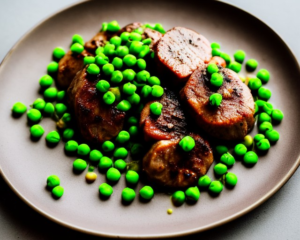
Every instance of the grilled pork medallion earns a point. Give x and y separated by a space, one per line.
234 118
180 51
96 120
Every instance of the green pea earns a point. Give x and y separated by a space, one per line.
122 51
216 52
101 59
79 165
264 93
60 96
235 66
263 75
58 191
60 109
146 192
134 36
125 36
105 190
77 39
143 76
221 149
103 86
260 104
77 48
187 143
215 45
93 69
129 60
268 108
263 117
272 135
116 92
108 146
71 146
139 85
154 81
158 27
95 155
133 131
123 137
83 149
53 181
215 187
116 76
192 194
256 108
132 177
239 56
227 159
113 174
34 115
53 137
254 84
66 117
134 99
50 93
113 26
277 115
156 108
36 131
251 65
212 68
226 57
204 181
116 40
68 133
117 62
109 49
88 60
220 169
124 105
240 149
129 88
178 198
109 98
141 63
265 126
108 69
104 27
99 50
146 91
105 163
120 164
121 153
132 120
145 50
216 80
215 99
263 145
129 74
128 194
147 41
231 179
49 109
248 141
135 47
52 67
58 53
46 81
19 108
258 137
157 91
250 158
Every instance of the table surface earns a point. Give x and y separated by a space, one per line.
278 218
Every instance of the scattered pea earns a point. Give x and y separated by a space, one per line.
272 135
268 108
254 84
263 117
60 109
263 145
108 146
239 56
212 68
231 179
156 108
178 198
109 49
146 91
187 143
154 81
113 174
135 47
88 60
192 194
129 88
264 93
215 187
19 108
71 146
204 181
58 53
101 59
260 104
265 126
105 163
221 149
108 68
90 176
158 27
142 76
129 74
79 165
116 40
124 105
250 158
123 137
215 99
83 149
240 149
93 69
103 86
34 115
68 133
251 65
105 190
141 63
120 164
235 66
147 192
216 52
95 155
77 39
134 99
49 109
263 75
121 153
128 194
53 181
248 141
58 191
99 50
226 57
132 177
145 50
277 115
50 93
216 80
122 51
220 169
46 81
116 76
129 60
60 96
52 67
258 137
227 159
77 48
36 131
109 98
157 91
113 26
104 27
132 120
215 45
53 137
147 41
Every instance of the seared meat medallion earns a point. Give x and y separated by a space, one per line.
96 120
180 51
167 165
234 118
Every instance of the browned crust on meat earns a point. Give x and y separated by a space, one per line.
171 124
234 118
180 51
167 165
96 120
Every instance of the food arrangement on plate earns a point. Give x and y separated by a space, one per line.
159 106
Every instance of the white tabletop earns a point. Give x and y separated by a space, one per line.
278 218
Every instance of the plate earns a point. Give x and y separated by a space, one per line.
25 165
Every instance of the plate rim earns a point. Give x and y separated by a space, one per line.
269 194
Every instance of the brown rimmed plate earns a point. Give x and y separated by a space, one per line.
25 165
